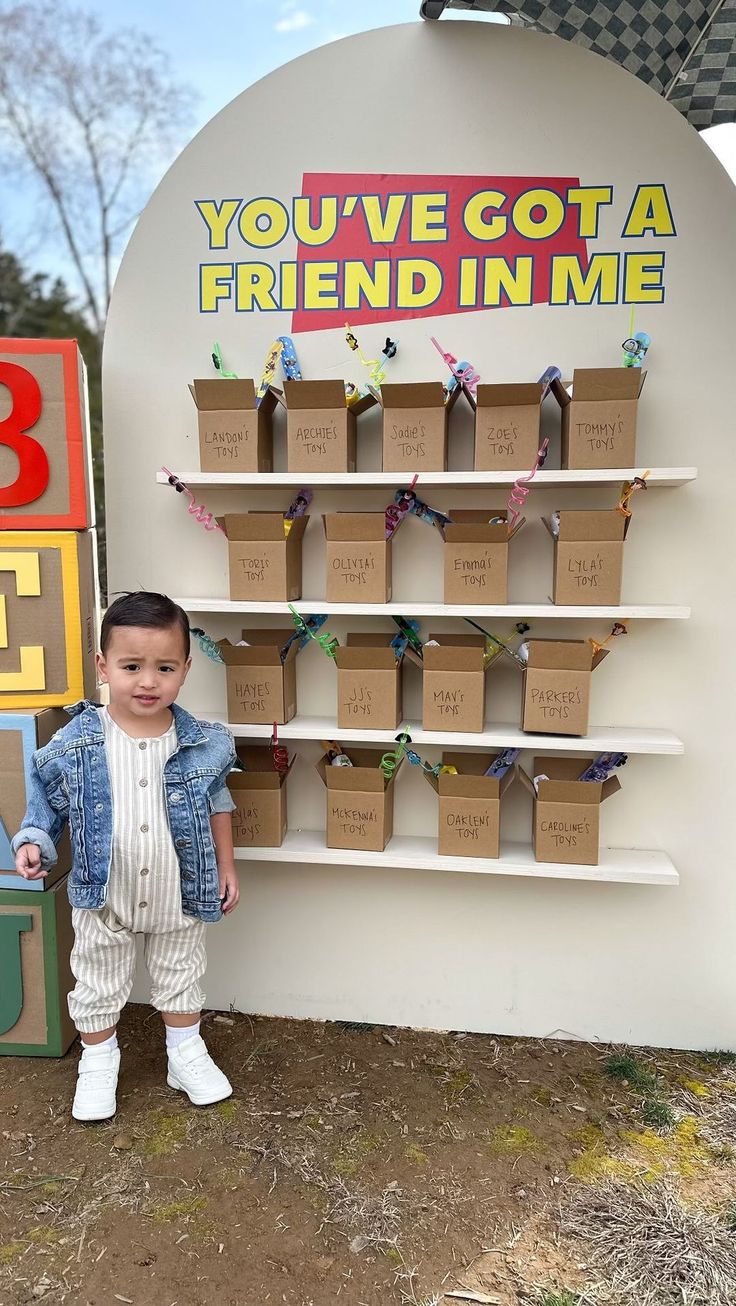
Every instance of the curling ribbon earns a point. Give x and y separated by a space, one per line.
269 371
618 628
463 373
280 754
520 489
628 488
376 366
520 628
206 643
390 761
197 510
219 366
328 643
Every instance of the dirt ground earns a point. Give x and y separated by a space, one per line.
366 1164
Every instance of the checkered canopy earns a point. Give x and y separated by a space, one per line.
685 49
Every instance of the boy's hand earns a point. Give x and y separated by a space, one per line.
229 890
28 862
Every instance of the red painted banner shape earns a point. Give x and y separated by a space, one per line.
408 245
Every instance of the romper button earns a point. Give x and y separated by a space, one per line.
144 870
181 843
142 745
143 904
98 807
144 829
174 798
142 783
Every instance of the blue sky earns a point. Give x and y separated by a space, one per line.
219 49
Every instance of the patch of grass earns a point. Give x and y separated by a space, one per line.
695 1087
630 1070
167 1135
166 1212
415 1155
510 1139
595 1165
456 1085
683 1150
43 1235
228 1109
729 1217
719 1058
657 1114
9 1251
562 1298
543 1096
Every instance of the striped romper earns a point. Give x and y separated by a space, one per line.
143 897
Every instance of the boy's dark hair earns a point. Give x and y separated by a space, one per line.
141 608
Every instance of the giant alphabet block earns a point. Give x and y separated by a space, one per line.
45 466
35 977
47 618
21 733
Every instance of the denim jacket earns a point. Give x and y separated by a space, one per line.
70 781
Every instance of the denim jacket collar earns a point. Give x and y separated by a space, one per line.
188 729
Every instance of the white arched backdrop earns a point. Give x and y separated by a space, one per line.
643 964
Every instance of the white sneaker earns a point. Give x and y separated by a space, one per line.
192 1069
97 1080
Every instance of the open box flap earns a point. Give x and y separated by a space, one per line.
223 393
255 526
511 395
413 394
591 384
365 659
605 524
560 654
304 395
346 527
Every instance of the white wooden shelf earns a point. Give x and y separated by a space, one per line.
511 611
617 865
619 739
664 476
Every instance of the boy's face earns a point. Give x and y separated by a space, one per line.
144 667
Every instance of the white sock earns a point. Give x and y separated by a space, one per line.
175 1034
110 1042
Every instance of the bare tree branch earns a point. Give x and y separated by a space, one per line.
96 117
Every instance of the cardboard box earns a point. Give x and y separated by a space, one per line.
21 733
469 815
35 976
589 557
599 419
368 683
259 820
556 692
234 434
264 564
48 618
454 684
476 556
360 802
507 426
320 428
261 688
567 811
358 557
53 377
415 421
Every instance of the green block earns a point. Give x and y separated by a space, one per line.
35 977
